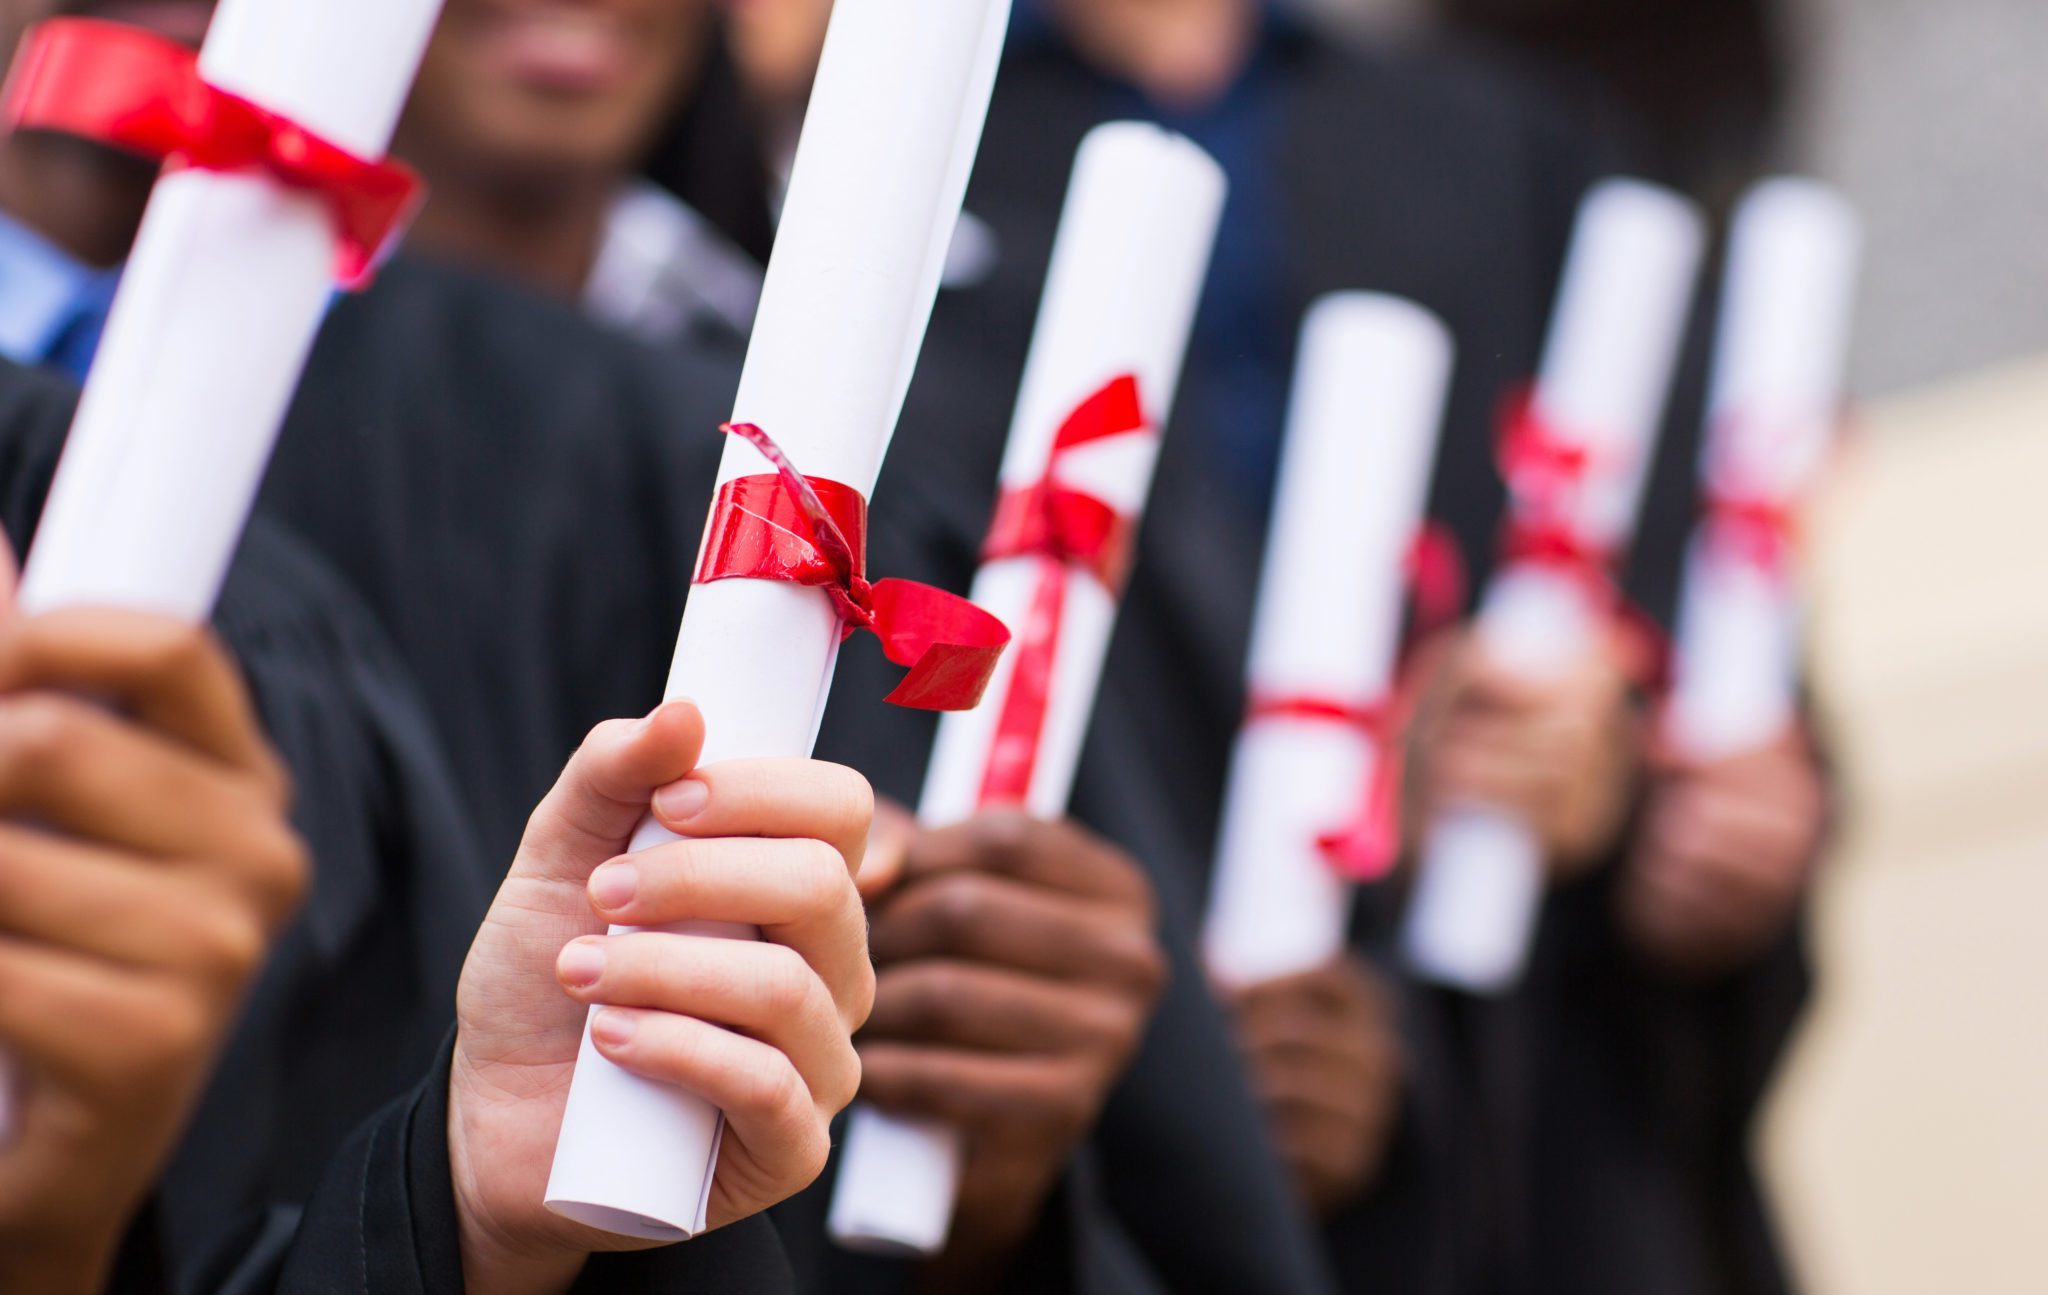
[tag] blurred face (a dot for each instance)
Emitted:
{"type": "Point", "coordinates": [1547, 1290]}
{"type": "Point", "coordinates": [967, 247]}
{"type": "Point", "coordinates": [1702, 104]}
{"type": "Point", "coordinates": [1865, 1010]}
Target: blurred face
{"type": "Point", "coordinates": [777, 43]}
{"type": "Point", "coordinates": [538, 89]}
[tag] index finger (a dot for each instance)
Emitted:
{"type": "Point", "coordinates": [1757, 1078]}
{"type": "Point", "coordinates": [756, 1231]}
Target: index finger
{"type": "Point", "coordinates": [785, 798]}
{"type": "Point", "coordinates": [171, 676]}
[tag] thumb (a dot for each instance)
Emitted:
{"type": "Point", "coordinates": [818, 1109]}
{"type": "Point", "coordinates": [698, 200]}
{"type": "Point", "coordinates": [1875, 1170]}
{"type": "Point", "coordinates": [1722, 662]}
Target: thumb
{"type": "Point", "coordinates": [605, 790]}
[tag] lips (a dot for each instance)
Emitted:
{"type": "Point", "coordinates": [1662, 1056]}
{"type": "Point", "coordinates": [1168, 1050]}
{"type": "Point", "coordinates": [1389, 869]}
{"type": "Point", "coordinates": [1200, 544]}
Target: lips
{"type": "Point", "coordinates": [558, 48]}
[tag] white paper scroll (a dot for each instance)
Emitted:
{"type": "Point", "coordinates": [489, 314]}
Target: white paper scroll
{"type": "Point", "coordinates": [894, 123]}
{"type": "Point", "coordinates": [1126, 276]}
{"type": "Point", "coordinates": [1779, 368]}
{"type": "Point", "coordinates": [218, 306]}
{"type": "Point", "coordinates": [1605, 379]}
{"type": "Point", "coordinates": [1369, 394]}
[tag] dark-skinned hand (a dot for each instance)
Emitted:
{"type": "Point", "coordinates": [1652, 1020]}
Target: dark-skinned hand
{"type": "Point", "coordinates": [1017, 968]}
{"type": "Point", "coordinates": [1326, 1061]}
{"type": "Point", "coordinates": [1560, 753]}
{"type": "Point", "coordinates": [1725, 855]}
{"type": "Point", "coordinates": [147, 862]}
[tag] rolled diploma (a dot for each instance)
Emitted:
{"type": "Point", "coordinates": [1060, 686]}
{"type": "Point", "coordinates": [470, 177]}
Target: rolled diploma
{"type": "Point", "coordinates": [895, 119]}
{"type": "Point", "coordinates": [1126, 277]}
{"type": "Point", "coordinates": [1605, 377]}
{"type": "Point", "coordinates": [1354, 483]}
{"type": "Point", "coordinates": [1780, 363]}
{"type": "Point", "coordinates": [218, 307]}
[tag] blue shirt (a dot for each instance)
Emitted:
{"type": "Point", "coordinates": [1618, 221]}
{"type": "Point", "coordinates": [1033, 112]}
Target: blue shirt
{"type": "Point", "coordinates": [53, 307]}
{"type": "Point", "coordinates": [1234, 388]}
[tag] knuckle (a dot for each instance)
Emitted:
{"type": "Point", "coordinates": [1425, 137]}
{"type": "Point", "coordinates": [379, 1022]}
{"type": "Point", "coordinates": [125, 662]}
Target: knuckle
{"type": "Point", "coordinates": [813, 1154]}
{"type": "Point", "coordinates": [769, 1091]}
{"type": "Point", "coordinates": [820, 876]}
{"type": "Point", "coordinates": [789, 987]}
{"type": "Point", "coordinates": [858, 798]}
{"type": "Point", "coordinates": [610, 733]}
{"type": "Point", "coordinates": [956, 904]}
{"type": "Point", "coordinates": [172, 1034]}
{"type": "Point", "coordinates": [273, 780]}
{"type": "Point", "coordinates": [177, 651]}
{"type": "Point", "coordinates": [1005, 834]}
{"type": "Point", "coordinates": [919, 999]}
{"type": "Point", "coordinates": [860, 997]}
{"type": "Point", "coordinates": [38, 733]}
{"type": "Point", "coordinates": [284, 872]}
{"type": "Point", "coordinates": [843, 1085]}
{"type": "Point", "coordinates": [230, 943]}
{"type": "Point", "coordinates": [1139, 964]}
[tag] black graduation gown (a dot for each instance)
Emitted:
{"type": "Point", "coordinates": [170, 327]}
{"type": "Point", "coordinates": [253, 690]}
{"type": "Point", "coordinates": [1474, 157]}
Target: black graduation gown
{"type": "Point", "coordinates": [356, 998]}
{"type": "Point", "coordinates": [268, 1190]}
{"type": "Point", "coordinates": [519, 495]}
{"type": "Point", "coordinates": [1435, 180]}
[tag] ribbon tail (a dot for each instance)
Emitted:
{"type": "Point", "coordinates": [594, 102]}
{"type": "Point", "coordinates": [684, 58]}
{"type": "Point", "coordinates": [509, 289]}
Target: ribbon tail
{"type": "Point", "coordinates": [1437, 578]}
{"type": "Point", "coordinates": [1013, 756]}
{"type": "Point", "coordinates": [1367, 850]}
{"type": "Point", "coordinates": [950, 645]}
{"type": "Point", "coordinates": [1113, 410]}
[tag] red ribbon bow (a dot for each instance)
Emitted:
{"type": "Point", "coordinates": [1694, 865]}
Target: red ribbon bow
{"type": "Point", "coordinates": [140, 92]}
{"type": "Point", "coordinates": [1754, 529]}
{"type": "Point", "coordinates": [811, 531]}
{"type": "Point", "coordinates": [1066, 529]}
{"type": "Point", "coordinates": [1545, 470]}
{"type": "Point", "coordinates": [1367, 847]}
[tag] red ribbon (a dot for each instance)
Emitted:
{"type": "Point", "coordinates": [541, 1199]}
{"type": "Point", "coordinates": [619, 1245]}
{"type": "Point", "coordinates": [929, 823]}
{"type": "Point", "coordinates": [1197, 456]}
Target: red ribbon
{"type": "Point", "coordinates": [1366, 847]}
{"type": "Point", "coordinates": [140, 92]}
{"type": "Point", "coordinates": [1435, 568]}
{"type": "Point", "coordinates": [811, 531]}
{"type": "Point", "coordinates": [1065, 529]}
{"type": "Point", "coordinates": [1753, 529]}
{"type": "Point", "coordinates": [1545, 470]}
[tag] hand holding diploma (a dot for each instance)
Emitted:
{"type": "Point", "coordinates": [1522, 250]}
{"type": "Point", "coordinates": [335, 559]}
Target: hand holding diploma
{"type": "Point", "coordinates": [1575, 457]}
{"type": "Point", "coordinates": [890, 138]}
{"type": "Point", "coordinates": [149, 863]}
{"type": "Point", "coordinates": [280, 125]}
{"type": "Point", "coordinates": [1726, 853]}
{"type": "Point", "coordinates": [758, 1028]}
{"type": "Point", "coordinates": [1312, 801]}
{"type": "Point", "coordinates": [1737, 805]}
{"type": "Point", "coordinates": [1018, 967]}
{"type": "Point", "coordinates": [1132, 252]}
{"type": "Point", "coordinates": [1324, 1053]}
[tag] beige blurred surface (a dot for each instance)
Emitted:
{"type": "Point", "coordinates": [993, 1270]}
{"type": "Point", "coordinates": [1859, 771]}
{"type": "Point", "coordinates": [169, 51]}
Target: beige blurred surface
{"type": "Point", "coordinates": [1907, 1146]}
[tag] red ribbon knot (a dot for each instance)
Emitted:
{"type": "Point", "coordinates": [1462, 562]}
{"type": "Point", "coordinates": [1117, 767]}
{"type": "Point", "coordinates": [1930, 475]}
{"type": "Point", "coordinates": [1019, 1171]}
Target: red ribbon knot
{"type": "Point", "coordinates": [140, 92]}
{"type": "Point", "coordinates": [1065, 529]}
{"type": "Point", "coordinates": [1545, 470]}
{"type": "Point", "coordinates": [1754, 529]}
{"type": "Point", "coordinates": [1366, 847]}
{"type": "Point", "coordinates": [811, 531]}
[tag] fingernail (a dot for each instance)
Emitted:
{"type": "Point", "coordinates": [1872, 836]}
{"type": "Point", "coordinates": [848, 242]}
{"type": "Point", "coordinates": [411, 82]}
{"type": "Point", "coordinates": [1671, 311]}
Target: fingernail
{"type": "Point", "coordinates": [680, 801]}
{"type": "Point", "coordinates": [614, 1028]}
{"type": "Point", "coordinates": [613, 885]}
{"type": "Point", "coordinates": [582, 963]}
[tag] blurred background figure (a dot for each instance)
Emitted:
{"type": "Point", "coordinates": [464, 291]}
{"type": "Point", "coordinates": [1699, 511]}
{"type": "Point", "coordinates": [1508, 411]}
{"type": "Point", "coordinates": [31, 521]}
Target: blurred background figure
{"type": "Point", "coordinates": [1924, 661]}
{"type": "Point", "coordinates": [534, 122]}
{"type": "Point", "coordinates": [1921, 1061]}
